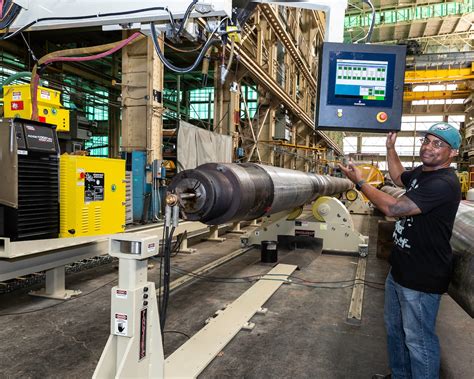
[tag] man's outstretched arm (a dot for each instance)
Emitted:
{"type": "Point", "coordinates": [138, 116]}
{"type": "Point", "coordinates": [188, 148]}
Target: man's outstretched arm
{"type": "Point", "coordinates": [386, 203]}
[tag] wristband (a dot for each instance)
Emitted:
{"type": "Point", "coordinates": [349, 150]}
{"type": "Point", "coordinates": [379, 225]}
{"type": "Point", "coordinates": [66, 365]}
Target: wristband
{"type": "Point", "coordinates": [359, 184]}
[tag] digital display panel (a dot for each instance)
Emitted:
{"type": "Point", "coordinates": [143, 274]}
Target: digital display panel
{"type": "Point", "coordinates": [40, 138]}
{"type": "Point", "coordinates": [360, 87]}
{"type": "Point", "coordinates": [361, 79]}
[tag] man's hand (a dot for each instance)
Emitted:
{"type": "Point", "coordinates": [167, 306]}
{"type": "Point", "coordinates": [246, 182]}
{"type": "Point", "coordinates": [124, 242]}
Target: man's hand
{"type": "Point", "coordinates": [352, 172]}
{"type": "Point", "coordinates": [391, 138]}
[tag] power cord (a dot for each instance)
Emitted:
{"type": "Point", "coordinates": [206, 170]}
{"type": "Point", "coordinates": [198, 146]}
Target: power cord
{"type": "Point", "coordinates": [368, 36]}
{"type": "Point", "coordinates": [177, 332]}
{"type": "Point", "coordinates": [253, 278]}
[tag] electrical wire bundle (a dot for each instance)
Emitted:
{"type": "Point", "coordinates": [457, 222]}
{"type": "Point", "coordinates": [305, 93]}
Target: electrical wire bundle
{"type": "Point", "coordinates": [165, 273]}
{"type": "Point", "coordinates": [9, 12]}
{"type": "Point", "coordinates": [285, 279]}
{"type": "Point", "coordinates": [368, 37]}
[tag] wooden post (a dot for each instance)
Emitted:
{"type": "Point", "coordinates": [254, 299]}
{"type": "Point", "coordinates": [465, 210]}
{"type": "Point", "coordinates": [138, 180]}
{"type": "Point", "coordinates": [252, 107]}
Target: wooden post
{"type": "Point", "coordinates": [142, 97]}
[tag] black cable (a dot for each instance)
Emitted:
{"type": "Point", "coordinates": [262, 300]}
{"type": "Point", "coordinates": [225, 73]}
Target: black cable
{"type": "Point", "coordinates": [372, 24]}
{"type": "Point", "coordinates": [167, 277]}
{"type": "Point", "coordinates": [178, 243]}
{"type": "Point", "coordinates": [186, 16]}
{"type": "Point", "coordinates": [198, 60]}
{"type": "Point", "coordinates": [10, 11]}
{"type": "Point", "coordinates": [177, 332]}
{"type": "Point", "coordinates": [340, 281]}
{"type": "Point", "coordinates": [161, 272]}
{"type": "Point", "coordinates": [55, 305]}
{"type": "Point", "coordinates": [252, 277]}
{"type": "Point", "coordinates": [368, 36]}
{"type": "Point", "coordinates": [33, 56]}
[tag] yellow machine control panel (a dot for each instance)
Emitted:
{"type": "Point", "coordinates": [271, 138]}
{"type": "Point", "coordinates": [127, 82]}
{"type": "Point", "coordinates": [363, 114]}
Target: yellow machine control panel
{"type": "Point", "coordinates": [92, 196]}
{"type": "Point", "coordinates": [17, 103]}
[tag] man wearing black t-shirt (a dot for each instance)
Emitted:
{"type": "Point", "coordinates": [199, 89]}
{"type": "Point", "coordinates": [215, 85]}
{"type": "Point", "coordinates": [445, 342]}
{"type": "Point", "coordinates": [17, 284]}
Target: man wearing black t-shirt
{"type": "Point", "coordinates": [421, 256]}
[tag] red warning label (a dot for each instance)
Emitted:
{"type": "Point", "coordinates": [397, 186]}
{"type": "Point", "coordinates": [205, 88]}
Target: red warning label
{"type": "Point", "coordinates": [302, 232]}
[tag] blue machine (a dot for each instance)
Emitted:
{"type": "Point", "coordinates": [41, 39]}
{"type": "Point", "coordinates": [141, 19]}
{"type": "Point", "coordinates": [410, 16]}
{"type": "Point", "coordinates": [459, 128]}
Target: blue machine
{"type": "Point", "coordinates": [138, 168]}
{"type": "Point", "coordinates": [146, 196]}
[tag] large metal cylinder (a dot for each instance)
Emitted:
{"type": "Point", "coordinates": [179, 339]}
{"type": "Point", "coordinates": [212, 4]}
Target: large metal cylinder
{"type": "Point", "coordinates": [394, 191]}
{"type": "Point", "coordinates": [215, 193]}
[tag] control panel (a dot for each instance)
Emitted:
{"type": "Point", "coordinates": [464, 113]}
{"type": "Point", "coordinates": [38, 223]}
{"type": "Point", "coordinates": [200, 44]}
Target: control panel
{"type": "Point", "coordinates": [360, 87]}
{"type": "Point", "coordinates": [35, 136]}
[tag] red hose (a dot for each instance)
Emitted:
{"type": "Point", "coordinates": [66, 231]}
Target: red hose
{"type": "Point", "coordinates": [34, 97]}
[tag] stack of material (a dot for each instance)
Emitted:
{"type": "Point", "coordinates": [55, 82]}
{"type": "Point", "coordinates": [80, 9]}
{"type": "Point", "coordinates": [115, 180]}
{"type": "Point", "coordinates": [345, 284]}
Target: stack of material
{"type": "Point", "coordinates": [462, 242]}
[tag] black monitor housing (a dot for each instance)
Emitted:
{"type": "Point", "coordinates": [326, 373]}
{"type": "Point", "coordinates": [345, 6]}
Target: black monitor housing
{"type": "Point", "coordinates": [360, 87]}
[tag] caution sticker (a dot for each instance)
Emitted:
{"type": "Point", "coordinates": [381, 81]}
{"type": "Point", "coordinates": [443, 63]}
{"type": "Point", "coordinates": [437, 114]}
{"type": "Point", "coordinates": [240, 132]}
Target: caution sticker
{"type": "Point", "coordinates": [121, 294]}
{"type": "Point", "coordinates": [45, 95]}
{"type": "Point", "coordinates": [121, 324]}
{"type": "Point", "coordinates": [304, 232]}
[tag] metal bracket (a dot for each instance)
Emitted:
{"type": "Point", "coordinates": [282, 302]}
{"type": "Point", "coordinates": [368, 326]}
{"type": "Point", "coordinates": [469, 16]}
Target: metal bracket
{"type": "Point", "coordinates": [248, 326]}
{"type": "Point", "coordinates": [55, 286]}
{"type": "Point", "coordinates": [214, 236]}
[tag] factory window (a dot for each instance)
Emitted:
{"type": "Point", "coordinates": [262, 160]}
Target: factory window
{"type": "Point", "coordinates": [410, 13]}
{"type": "Point", "coordinates": [456, 120]}
{"type": "Point", "coordinates": [170, 94]}
{"type": "Point", "coordinates": [350, 145]}
{"type": "Point", "coordinates": [419, 123]}
{"type": "Point", "coordinates": [66, 100]}
{"type": "Point", "coordinates": [98, 146]}
{"type": "Point", "coordinates": [251, 98]}
{"type": "Point", "coordinates": [170, 115]}
{"type": "Point", "coordinates": [374, 145]}
{"type": "Point", "coordinates": [97, 107]}
{"type": "Point", "coordinates": [201, 103]}
{"type": "Point", "coordinates": [408, 146]}
{"type": "Point", "coordinates": [12, 62]}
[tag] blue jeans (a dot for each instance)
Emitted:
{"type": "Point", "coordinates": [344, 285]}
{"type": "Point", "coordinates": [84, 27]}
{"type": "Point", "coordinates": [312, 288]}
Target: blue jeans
{"type": "Point", "coordinates": [410, 320]}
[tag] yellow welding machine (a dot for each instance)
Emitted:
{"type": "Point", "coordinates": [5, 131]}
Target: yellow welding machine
{"type": "Point", "coordinates": [92, 196]}
{"type": "Point", "coordinates": [17, 103]}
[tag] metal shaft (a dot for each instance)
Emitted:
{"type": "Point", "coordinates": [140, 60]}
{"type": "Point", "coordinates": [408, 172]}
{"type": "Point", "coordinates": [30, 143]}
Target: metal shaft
{"type": "Point", "coordinates": [394, 191]}
{"type": "Point", "coordinates": [225, 192]}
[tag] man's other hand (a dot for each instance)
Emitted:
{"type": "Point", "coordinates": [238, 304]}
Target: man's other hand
{"type": "Point", "coordinates": [391, 138]}
{"type": "Point", "coordinates": [352, 172]}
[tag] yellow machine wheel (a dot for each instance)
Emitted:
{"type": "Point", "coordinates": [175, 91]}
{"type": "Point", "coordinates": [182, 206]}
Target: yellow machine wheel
{"type": "Point", "coordinates": [371, 174]}
{"type": "Point", "coordinates": [315, 208]}
{"type": "Point", "coordinates": [351, 195]}
{"type": "Point", "coordinates": [295, 213]}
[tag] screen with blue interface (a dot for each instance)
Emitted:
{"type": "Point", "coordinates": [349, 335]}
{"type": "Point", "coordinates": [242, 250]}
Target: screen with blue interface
{"type": "Point", "coordinates": [361, 79]}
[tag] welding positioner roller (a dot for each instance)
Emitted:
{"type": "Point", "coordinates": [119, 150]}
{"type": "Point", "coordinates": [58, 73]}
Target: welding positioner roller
{"type": "Point", "coordinates": [216, 193]}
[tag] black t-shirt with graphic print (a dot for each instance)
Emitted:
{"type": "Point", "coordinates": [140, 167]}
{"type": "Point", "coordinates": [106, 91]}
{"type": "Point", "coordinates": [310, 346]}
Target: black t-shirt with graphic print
{"type": "Point", "coordinates": [421, 258]}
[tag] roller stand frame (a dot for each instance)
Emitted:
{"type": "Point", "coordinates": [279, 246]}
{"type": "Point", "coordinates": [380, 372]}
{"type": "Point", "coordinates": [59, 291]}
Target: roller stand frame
{"type": "Point", "coordinates": [336, 231]}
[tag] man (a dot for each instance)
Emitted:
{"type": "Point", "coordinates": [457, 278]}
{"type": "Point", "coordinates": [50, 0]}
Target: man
{"type": "Point", "coordinates": [421, 256]}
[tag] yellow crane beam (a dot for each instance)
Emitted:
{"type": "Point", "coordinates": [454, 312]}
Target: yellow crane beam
{"type": "Point", "coordinates": [439, 75]}
{"type": "Point", "coordinates": [436, 95]}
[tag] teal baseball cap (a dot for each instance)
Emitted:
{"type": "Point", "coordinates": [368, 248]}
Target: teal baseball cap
{"type": "Point", "coordinates": [447, 133]}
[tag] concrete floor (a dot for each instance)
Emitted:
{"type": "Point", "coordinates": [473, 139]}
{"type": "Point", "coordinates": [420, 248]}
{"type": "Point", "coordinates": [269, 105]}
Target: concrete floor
{"type": "Point", "coordinates": [303, 335]}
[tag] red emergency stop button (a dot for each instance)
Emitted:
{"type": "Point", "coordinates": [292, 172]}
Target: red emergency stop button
{"type": "Point", "coordinates": [382, 117]}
